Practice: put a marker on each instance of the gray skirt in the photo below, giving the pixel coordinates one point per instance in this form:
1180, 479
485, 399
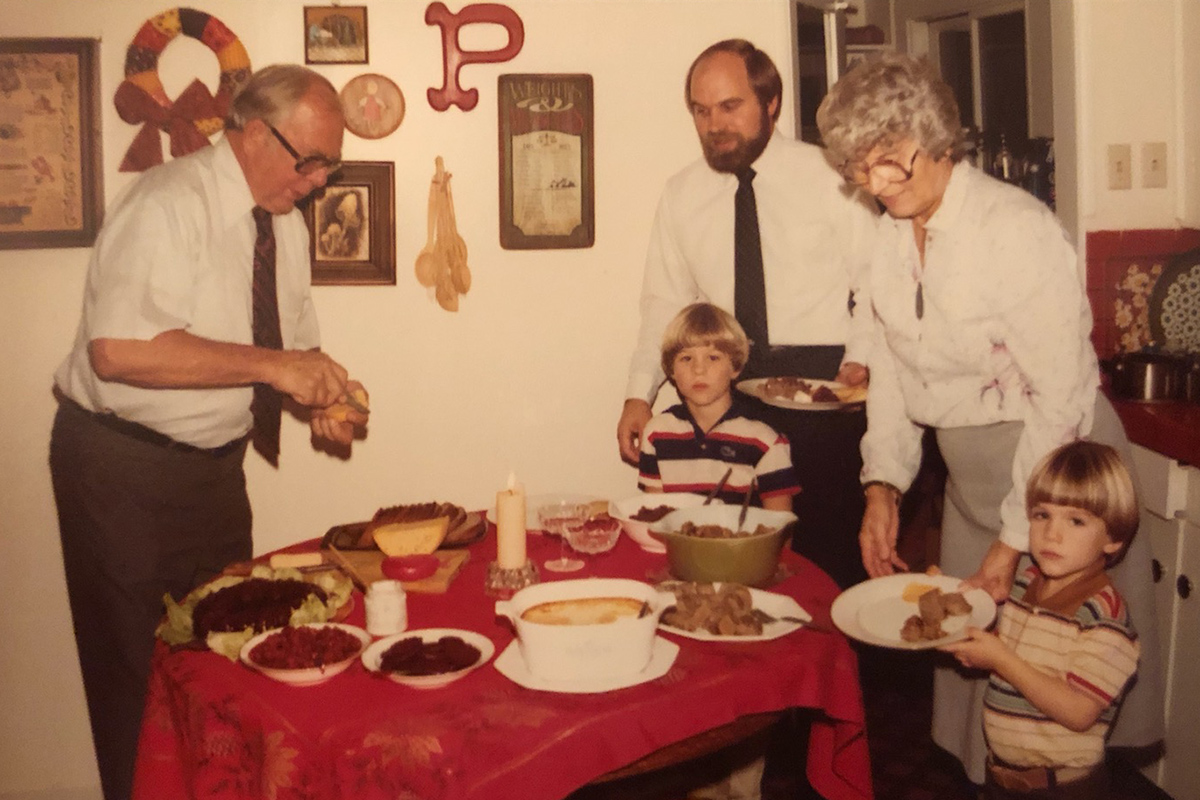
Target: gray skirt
979, 462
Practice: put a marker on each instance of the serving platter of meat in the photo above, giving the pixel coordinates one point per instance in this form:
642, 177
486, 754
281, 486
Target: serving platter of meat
911, 611
729, 612
804, 394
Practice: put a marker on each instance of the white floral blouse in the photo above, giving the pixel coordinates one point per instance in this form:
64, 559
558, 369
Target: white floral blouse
1003, 334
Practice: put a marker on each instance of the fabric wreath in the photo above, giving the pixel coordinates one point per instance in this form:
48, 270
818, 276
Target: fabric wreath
193, 116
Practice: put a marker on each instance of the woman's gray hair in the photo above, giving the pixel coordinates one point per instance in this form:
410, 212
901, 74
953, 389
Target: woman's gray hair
886, 100
272, 92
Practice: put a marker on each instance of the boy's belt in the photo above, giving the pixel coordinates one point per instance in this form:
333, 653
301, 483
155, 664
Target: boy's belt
1028, 779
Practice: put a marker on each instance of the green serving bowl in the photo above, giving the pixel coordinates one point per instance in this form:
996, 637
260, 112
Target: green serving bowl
750, 560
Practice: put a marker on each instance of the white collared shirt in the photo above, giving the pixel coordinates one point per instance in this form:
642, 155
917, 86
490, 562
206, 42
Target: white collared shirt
176, 253
1005, 334
815, 244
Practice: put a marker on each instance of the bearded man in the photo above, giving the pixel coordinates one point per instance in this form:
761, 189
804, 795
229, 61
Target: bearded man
764, 227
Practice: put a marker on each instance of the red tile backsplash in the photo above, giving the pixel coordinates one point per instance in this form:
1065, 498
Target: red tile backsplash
1116, 262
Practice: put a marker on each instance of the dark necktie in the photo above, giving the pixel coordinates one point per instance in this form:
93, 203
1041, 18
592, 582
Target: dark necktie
267, 404
749, 290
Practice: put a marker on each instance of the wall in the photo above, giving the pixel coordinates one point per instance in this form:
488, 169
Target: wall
527, 376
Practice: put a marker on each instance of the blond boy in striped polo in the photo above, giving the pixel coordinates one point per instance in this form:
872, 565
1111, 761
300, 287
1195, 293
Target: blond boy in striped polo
1064, 647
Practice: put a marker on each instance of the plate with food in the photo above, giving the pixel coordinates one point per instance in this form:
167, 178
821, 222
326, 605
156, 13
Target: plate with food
639, 512
305, 655
424, 526
911, 611
804, 394
228, 611
428, 658
533, 502
730, 612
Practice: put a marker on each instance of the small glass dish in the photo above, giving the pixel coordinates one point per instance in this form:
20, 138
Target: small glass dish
593, 535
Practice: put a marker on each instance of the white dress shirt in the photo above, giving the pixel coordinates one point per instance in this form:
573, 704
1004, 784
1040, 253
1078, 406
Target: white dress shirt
815, 245
1004, 335
176, 253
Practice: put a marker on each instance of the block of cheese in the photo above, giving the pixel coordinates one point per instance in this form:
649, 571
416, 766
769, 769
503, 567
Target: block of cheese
296, 560
411, 538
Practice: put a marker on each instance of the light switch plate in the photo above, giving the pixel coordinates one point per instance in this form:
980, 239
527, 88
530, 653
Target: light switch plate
1154, 165
1119, 167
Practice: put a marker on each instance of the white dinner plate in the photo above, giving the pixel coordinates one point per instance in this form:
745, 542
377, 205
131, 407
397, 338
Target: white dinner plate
536, 501
756, 387
777, 605
310, 676
875, 610
511, 664
374, 654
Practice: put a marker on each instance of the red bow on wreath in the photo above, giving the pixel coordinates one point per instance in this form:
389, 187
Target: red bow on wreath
178, 119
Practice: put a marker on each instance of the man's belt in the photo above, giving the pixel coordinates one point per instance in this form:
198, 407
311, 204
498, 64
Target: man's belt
150, 436
1028, 779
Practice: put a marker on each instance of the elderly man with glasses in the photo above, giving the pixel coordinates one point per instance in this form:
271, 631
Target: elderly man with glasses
197, 322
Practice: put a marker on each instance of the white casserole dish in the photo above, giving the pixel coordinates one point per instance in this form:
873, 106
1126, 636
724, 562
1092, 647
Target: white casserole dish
586, 651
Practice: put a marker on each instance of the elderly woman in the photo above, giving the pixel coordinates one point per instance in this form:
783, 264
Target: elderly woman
983, 337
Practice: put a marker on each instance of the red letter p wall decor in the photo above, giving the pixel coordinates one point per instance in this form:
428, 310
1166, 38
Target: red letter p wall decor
454, 57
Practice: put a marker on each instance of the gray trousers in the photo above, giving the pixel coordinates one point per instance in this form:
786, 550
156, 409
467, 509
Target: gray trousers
137, 521
979, 463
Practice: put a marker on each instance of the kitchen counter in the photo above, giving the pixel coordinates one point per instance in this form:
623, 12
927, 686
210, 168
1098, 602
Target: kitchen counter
1170, 428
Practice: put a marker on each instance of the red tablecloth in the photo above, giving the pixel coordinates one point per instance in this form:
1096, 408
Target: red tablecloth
215, 729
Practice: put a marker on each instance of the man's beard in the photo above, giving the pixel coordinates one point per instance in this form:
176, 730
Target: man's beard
743, 155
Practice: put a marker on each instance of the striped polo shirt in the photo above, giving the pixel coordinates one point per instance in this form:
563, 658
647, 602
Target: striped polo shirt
1082, 634
677, 456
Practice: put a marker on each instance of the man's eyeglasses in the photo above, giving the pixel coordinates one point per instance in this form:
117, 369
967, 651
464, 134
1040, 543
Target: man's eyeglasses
306, 165
884, 169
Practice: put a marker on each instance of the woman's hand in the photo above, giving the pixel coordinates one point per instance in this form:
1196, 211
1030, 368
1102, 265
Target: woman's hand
880, 529
996, 573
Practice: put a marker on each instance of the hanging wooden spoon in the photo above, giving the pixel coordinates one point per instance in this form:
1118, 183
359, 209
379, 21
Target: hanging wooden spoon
427, 264
445, 290
460, 273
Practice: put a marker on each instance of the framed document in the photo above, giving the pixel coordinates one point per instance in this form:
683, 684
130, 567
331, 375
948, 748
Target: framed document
51, 181
352, 226
547, 197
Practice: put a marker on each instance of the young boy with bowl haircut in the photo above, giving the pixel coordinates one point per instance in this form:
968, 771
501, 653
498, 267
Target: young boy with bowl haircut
1064, 647
690, 446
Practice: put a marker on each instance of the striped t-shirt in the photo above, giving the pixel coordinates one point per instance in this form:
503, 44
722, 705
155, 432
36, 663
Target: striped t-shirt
1081, 634
677, 456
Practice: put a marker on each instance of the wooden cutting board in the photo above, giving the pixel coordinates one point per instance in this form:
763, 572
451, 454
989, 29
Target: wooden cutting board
369, 565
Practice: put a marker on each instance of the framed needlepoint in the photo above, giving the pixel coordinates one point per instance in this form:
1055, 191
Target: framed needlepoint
335, 34
352, 226
547, 196
51, 182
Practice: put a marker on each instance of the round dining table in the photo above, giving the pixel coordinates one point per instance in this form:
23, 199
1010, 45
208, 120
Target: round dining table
214, 728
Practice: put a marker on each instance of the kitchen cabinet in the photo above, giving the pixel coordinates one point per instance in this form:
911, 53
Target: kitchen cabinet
1170, 495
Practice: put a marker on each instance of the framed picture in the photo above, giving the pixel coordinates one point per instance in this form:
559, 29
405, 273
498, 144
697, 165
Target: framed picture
352, 226
335, 34
547, 196
373, 106
51, 192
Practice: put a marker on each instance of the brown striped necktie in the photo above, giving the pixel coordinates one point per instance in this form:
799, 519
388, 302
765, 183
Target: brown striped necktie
267, 405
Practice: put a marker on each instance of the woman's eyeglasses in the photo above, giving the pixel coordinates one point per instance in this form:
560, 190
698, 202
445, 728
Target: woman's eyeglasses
306, 165
884, 169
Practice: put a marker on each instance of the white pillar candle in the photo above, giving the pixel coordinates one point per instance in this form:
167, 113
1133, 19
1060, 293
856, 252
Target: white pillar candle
510, 525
